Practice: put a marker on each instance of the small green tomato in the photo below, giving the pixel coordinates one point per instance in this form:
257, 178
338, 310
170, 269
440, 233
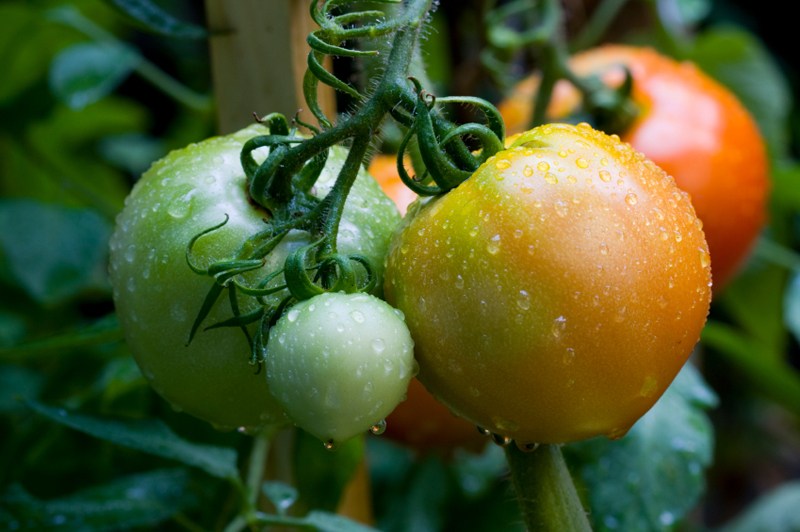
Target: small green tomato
340, 363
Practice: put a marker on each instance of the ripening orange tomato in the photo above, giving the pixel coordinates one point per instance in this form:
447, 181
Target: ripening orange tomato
554, 295
689, 125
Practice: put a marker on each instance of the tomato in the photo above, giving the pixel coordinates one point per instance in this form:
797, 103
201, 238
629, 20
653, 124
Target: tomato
423, 423
383, 167
420, 421
691, 126
339, 363
555, 294
157, 296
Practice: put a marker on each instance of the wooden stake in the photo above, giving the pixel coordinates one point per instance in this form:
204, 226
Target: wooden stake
258, 59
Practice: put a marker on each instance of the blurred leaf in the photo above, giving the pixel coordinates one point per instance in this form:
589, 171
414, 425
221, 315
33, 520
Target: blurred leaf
118, 377
150, 436
55, 158
792, 306
652, 477
786, 184
52, 252
477, 473
328, 522
126, 503
421, 503
775, 511
132, 152
281, 495
764, 373
321, 475
85, 73
754, 302
17, 385
102, 331
148, 15
738, 60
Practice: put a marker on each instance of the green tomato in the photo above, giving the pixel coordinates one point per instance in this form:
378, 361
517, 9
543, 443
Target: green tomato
340, 363
158, 296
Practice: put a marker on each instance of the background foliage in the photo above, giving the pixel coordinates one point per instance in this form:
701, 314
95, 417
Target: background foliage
94, 91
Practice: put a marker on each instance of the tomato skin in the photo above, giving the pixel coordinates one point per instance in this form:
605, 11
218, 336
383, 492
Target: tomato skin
425, 424
555, 294
689, 125
157, 296
340, 363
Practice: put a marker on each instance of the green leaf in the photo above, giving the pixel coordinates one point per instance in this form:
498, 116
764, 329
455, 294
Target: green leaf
652, 477
142, 500
766, 374
281, 495
150, 436
754, 302
791, 306
103, 331
329, 522
738, 60
777, 510
17, 385
148, 15
85, 73
53, 253
321, 475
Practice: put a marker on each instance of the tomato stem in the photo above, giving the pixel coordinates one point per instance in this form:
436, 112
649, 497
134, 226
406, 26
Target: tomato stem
545, 490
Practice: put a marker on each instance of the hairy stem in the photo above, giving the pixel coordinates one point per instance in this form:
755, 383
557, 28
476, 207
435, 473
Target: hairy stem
545, 491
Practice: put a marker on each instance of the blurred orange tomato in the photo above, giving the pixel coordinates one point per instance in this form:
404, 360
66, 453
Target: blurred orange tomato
383, 168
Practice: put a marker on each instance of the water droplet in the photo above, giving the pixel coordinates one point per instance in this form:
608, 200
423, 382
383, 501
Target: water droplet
378, 345
493, 246
501, 440
631, 199
649, 386
378, 428
604, 249
616, 434
705, 260
130, 253
357, 316
527, 447
527, 171
329, 445
569, 355
666, 518
605, 176
483, 431
550, 178
543, 166
559, 324
181, 206
502, 164
581, 162
459, 282
561, 208
523, 300
292, 315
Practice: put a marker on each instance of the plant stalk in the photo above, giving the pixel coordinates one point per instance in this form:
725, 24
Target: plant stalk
545, 490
